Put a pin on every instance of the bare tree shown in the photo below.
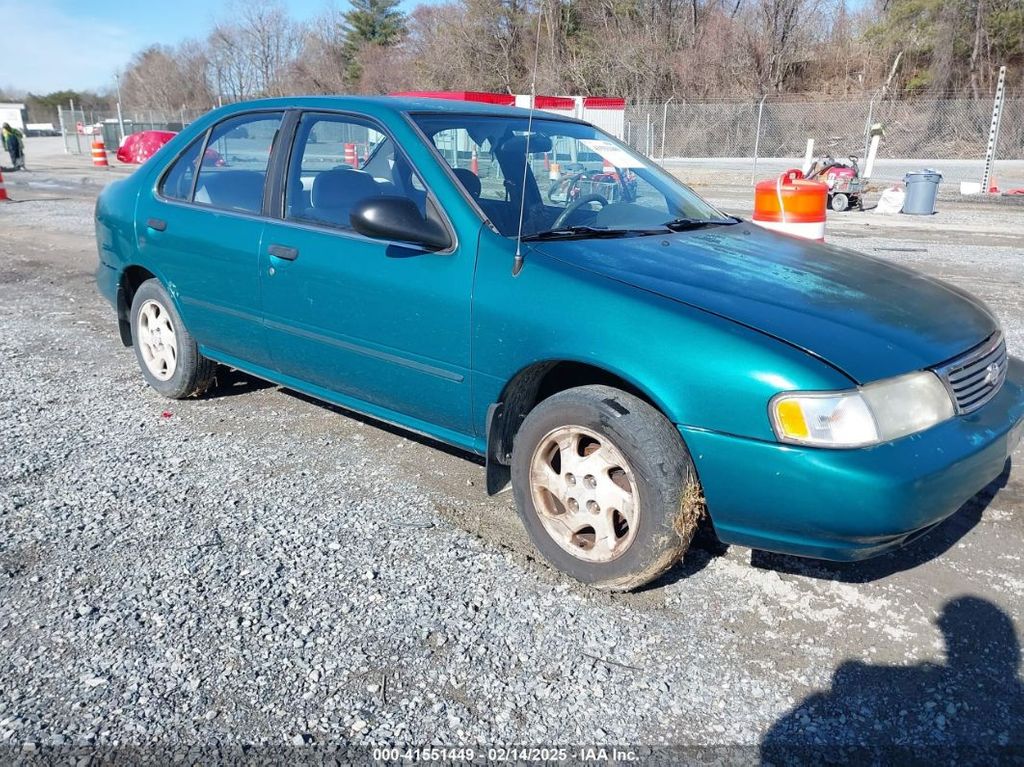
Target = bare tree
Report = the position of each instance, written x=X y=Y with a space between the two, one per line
x=270 y=41
x=645 y=50
x=167 y=79
x=231 y=66
x=320 y=62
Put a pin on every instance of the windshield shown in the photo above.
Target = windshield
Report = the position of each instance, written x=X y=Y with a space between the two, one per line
x=580 y=182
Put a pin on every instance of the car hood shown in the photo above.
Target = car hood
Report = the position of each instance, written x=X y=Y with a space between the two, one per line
x=870 y=318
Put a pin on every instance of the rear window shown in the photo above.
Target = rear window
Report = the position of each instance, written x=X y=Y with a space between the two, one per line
x=177 y=182
x=234 y=168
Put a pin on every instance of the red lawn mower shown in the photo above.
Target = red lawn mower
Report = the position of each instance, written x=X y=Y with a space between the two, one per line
x=845 y=184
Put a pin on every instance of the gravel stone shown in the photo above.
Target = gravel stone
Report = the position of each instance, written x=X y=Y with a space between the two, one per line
x=233 y=573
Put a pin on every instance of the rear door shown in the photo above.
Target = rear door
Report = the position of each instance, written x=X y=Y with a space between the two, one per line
x=383 y=323
x=201 y=232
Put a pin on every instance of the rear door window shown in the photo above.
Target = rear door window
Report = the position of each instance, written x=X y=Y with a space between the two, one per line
x=234 y=168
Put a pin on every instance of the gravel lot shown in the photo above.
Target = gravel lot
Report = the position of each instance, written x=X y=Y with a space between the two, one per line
x=254 y=567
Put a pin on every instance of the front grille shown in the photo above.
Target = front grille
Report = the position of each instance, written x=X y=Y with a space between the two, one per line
x=976 y=377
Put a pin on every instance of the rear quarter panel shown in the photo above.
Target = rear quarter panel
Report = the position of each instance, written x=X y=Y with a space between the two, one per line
x=115 y=222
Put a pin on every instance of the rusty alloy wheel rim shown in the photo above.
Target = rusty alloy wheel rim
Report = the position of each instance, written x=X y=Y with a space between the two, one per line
x=585 y=493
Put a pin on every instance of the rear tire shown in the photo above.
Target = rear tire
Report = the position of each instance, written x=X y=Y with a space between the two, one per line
x=167 y=353
x=840 y=202
x=605 y=487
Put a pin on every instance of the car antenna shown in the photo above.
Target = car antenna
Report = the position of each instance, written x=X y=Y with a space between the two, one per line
x=517 y=263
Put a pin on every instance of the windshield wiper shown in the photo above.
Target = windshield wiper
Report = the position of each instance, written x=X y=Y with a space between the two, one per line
x=683 y=224
x=579 y=232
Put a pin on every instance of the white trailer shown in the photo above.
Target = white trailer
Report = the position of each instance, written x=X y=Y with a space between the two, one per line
x=13 y=114
x=606 y=113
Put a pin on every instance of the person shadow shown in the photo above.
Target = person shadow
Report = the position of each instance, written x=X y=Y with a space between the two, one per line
x=968 y=710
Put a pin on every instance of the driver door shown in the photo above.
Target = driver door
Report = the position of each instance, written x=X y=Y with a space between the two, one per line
x=383 y=325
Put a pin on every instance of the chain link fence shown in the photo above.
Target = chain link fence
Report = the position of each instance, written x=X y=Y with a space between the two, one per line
x=79 y=127
x=944 y=129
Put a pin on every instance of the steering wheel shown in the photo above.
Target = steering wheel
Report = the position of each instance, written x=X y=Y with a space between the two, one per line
x=574 y=206
x=567 y=184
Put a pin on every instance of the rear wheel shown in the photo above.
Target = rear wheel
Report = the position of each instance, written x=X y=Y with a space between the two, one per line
x=840 y=202
x=167 y=353
x=605 y=487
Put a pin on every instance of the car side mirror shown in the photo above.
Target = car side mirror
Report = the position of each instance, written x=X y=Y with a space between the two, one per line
x=398 y=218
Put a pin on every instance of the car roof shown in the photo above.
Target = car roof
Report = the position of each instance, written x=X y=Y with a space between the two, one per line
x=395 y=104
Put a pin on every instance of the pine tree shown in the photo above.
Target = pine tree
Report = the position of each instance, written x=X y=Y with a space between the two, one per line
x=370 y=22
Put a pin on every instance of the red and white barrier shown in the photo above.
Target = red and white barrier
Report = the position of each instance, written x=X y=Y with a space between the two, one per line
x=792 y=204
x=99 y=154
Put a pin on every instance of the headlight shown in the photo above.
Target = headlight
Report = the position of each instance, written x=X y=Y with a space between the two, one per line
x=872 y=414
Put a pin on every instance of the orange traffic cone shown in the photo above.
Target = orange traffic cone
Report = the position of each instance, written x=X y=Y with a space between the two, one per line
x=474 y=164
x=3 y=190
x=99 y=154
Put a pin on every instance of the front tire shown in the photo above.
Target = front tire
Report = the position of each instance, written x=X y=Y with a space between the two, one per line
x=840 y=202
x=167 y=353
x=605 y=487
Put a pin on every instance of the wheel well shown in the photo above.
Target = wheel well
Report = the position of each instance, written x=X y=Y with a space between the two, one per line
x=524 y=392
x=567 y=375
x=131 y=279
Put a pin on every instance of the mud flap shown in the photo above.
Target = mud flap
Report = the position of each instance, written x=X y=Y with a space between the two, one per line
x=498 y=471
x=124 y=324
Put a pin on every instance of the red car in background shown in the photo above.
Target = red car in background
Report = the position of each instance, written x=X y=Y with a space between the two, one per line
x=139 y=147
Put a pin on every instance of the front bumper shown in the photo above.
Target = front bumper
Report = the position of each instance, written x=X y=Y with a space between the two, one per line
x=854 y=504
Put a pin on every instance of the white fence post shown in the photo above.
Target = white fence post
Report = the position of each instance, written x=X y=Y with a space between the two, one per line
x=757 y=138
x=63 y=130
x=664 y=126
x=78 y=139
x=867 y=123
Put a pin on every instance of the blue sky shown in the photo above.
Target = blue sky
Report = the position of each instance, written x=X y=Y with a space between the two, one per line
x=48 y=45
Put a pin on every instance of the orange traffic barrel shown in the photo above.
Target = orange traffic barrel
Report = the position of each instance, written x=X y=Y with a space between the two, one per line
x=350 y=155
x=99 y=154
x=792 y=204
x=3 y=189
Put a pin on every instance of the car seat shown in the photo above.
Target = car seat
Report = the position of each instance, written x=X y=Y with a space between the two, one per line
x=336 y=193
x=469 y=180
x=231 y=189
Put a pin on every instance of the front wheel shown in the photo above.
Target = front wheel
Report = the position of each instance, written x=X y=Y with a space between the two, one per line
x=605 y=487
x=840 y=202
x=167 y=353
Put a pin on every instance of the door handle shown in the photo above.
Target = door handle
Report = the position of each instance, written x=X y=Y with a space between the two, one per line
x=157 y=224
x=283 y=251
